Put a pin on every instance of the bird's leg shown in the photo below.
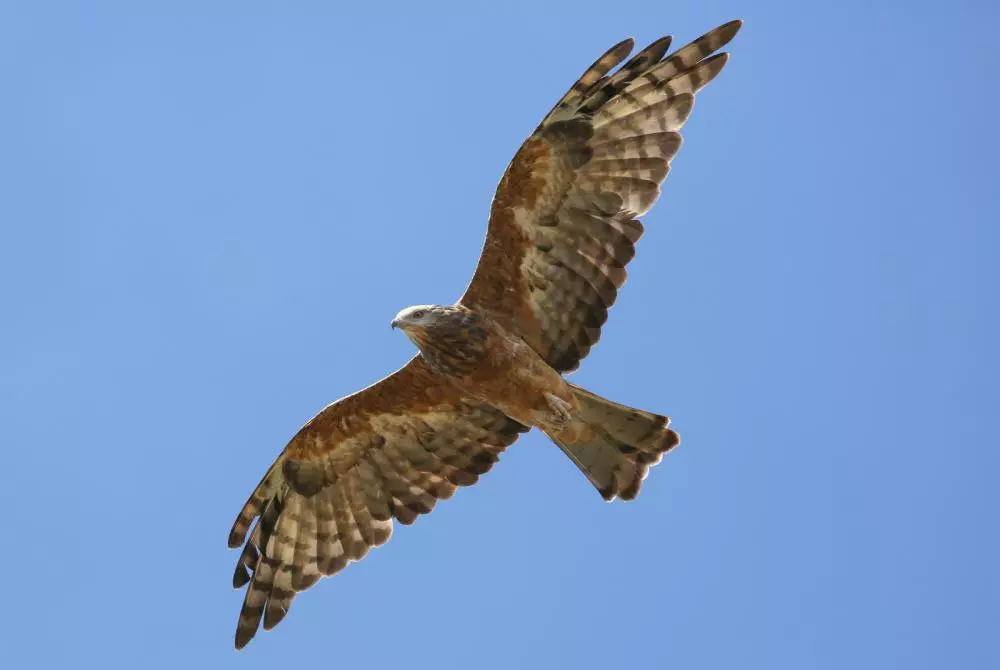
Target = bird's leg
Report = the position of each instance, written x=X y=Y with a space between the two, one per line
x=562 y=425
x=562 y=410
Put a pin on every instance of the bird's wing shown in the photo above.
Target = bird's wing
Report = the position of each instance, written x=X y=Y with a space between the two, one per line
x=563 y=223
x=389 y=451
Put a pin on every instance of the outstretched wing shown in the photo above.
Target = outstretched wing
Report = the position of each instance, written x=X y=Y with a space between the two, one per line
x=563 y=223
x=389 y=451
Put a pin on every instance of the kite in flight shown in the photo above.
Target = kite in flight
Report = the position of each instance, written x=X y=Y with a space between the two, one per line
x=562 y=228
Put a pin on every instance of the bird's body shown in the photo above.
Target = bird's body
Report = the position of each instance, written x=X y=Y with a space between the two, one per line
x=562 y=228
x=475 y=354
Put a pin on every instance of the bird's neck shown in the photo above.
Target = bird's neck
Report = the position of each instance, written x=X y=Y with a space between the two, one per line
x=455 y=347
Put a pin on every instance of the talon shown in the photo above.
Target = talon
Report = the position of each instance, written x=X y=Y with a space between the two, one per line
x=561 y=408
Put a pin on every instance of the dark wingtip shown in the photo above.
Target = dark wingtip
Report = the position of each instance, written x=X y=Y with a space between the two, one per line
x=728 y=30
x=732 y=26
x=273 y=615
x=623 y=48
x=241 y=576
x=243 y=638
x=659 y=48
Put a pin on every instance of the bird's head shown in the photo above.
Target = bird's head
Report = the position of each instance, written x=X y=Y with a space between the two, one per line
x=450 y=337
x=419 y=320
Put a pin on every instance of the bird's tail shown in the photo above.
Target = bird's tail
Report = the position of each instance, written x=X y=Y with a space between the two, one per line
x=616 y=445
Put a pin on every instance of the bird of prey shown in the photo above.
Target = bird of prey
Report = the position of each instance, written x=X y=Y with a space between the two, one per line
x=562 y=228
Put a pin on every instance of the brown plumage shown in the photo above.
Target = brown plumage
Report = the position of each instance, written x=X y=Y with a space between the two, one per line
x=562 y=229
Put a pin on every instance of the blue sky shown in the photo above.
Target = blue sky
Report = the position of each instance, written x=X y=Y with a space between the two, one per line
x=211 y=211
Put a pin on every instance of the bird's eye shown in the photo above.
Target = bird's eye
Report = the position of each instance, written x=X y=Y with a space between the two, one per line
x=419 y=314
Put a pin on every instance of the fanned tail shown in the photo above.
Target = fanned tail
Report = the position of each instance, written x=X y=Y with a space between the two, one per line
x=618 y=445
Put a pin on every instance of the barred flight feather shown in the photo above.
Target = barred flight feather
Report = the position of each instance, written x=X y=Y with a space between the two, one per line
x=316 y=510
x=600 y=154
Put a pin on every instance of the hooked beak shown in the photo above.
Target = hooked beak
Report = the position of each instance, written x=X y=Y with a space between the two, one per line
x=394 y=324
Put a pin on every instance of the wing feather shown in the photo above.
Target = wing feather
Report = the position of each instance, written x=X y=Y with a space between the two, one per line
x=563 y=223
x=388 y=452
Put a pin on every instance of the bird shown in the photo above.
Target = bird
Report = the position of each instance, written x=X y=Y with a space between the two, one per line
x=562 y=227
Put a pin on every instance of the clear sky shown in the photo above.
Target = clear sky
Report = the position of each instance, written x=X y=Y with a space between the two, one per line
x=210 y=212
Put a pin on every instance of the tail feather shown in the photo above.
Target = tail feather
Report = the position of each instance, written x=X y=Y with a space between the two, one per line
x=620 y=447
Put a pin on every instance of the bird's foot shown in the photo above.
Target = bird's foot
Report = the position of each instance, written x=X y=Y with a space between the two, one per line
x=562 y=411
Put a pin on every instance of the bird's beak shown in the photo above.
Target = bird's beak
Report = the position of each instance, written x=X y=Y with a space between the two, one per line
x=394 y=324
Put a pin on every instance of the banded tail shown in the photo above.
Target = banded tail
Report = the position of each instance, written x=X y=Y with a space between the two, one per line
x=621 y=446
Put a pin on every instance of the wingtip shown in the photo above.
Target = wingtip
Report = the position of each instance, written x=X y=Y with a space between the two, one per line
x=661 y=43
x=732 y=26
x=241 y=576
x=727 y=31
x=238 y=531
x=242 y=639
x=273 y=615
x=623 y=48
